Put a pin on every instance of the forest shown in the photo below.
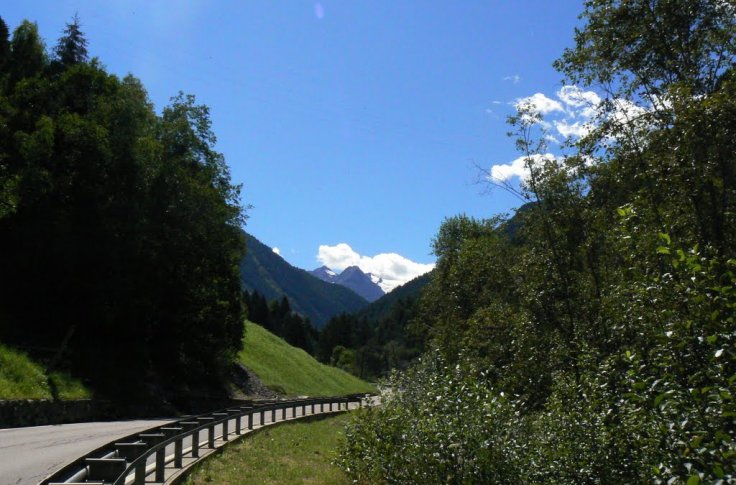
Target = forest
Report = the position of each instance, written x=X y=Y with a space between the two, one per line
x=594 y=342
x=120 y=229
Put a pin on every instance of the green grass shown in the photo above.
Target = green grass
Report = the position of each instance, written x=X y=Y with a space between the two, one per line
x=291 y=370
x=295 y=452
x=22 y=378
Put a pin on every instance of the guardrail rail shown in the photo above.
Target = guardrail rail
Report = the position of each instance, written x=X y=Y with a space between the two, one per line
x=162 y=452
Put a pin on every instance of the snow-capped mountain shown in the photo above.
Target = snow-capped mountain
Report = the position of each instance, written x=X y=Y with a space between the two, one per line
x=366 y=285
x=325 y=274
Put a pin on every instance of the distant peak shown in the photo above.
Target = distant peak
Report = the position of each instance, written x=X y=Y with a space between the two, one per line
x=324 y=273
x=352 y=269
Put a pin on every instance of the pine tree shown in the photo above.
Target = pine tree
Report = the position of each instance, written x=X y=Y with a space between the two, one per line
x=72 y=46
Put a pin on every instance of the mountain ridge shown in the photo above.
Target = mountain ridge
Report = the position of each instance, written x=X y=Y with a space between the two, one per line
x=266 y=272
x=367 y=285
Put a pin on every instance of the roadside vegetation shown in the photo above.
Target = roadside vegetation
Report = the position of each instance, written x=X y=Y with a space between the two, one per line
x=592 y=341
x=22 y=378
x=297 y=452
x=291 y=370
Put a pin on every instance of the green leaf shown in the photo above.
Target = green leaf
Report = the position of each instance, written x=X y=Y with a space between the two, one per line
x=693 y=480
x=658 y=400
x=665 y=237
x=663 y=250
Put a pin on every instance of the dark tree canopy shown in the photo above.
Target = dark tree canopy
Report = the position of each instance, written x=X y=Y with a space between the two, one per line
x=120 y=229
x=4 y=44
x=27 y=52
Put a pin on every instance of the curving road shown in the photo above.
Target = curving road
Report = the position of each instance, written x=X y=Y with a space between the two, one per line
x=28 y=455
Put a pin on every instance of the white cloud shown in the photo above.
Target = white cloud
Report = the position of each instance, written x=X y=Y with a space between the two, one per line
x=517 y=168
x=579 y=102
x=552 y=139
x=627 y=113
x=514 y=79
x=392 y=268
x=577 y=129
x=574 y=114
x=277 y=251
x=539 y=103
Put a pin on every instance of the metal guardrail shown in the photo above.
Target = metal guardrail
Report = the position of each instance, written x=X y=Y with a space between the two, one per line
x=126 y=461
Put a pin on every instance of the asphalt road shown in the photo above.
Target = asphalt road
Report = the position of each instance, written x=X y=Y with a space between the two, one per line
x=28 y=455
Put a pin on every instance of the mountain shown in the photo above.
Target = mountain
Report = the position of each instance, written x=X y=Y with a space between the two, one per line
x=366 y=285
x=408 y=292
x=268 y=273
x=324 y=273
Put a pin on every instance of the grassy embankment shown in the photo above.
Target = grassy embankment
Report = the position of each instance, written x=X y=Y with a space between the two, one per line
x=293 y=452
x=296 y=452
x=279 y=365
x=22 y=378
x=292 y=371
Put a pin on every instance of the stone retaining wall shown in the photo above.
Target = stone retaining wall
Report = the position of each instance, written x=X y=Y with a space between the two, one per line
x=38 y=412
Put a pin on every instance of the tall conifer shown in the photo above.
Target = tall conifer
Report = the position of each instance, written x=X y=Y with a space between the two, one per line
x=72 y=46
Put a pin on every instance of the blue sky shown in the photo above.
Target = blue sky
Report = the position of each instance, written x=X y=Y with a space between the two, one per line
x=354 y=126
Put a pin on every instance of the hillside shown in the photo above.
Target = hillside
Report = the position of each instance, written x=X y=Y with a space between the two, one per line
x=269 y=274
x=382 y=307
x=291 y=370
x=23 y=378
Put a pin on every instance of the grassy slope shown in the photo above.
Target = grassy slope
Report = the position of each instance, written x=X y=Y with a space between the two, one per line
x=292 y=370
x=297 y=452
x=22 y=378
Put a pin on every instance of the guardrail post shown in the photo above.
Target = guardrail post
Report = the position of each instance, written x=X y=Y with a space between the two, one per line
x=178 y=448
x=211 y=435
x=273 y=414
x=236 y=413
x=304 y=409
x=263 y=416
x=250 y=419
x=330 y=405
x=140 y=473
x=195 y=443
x=321 y=406
x=283 y=412
x=160 y=463
x=224 y=424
